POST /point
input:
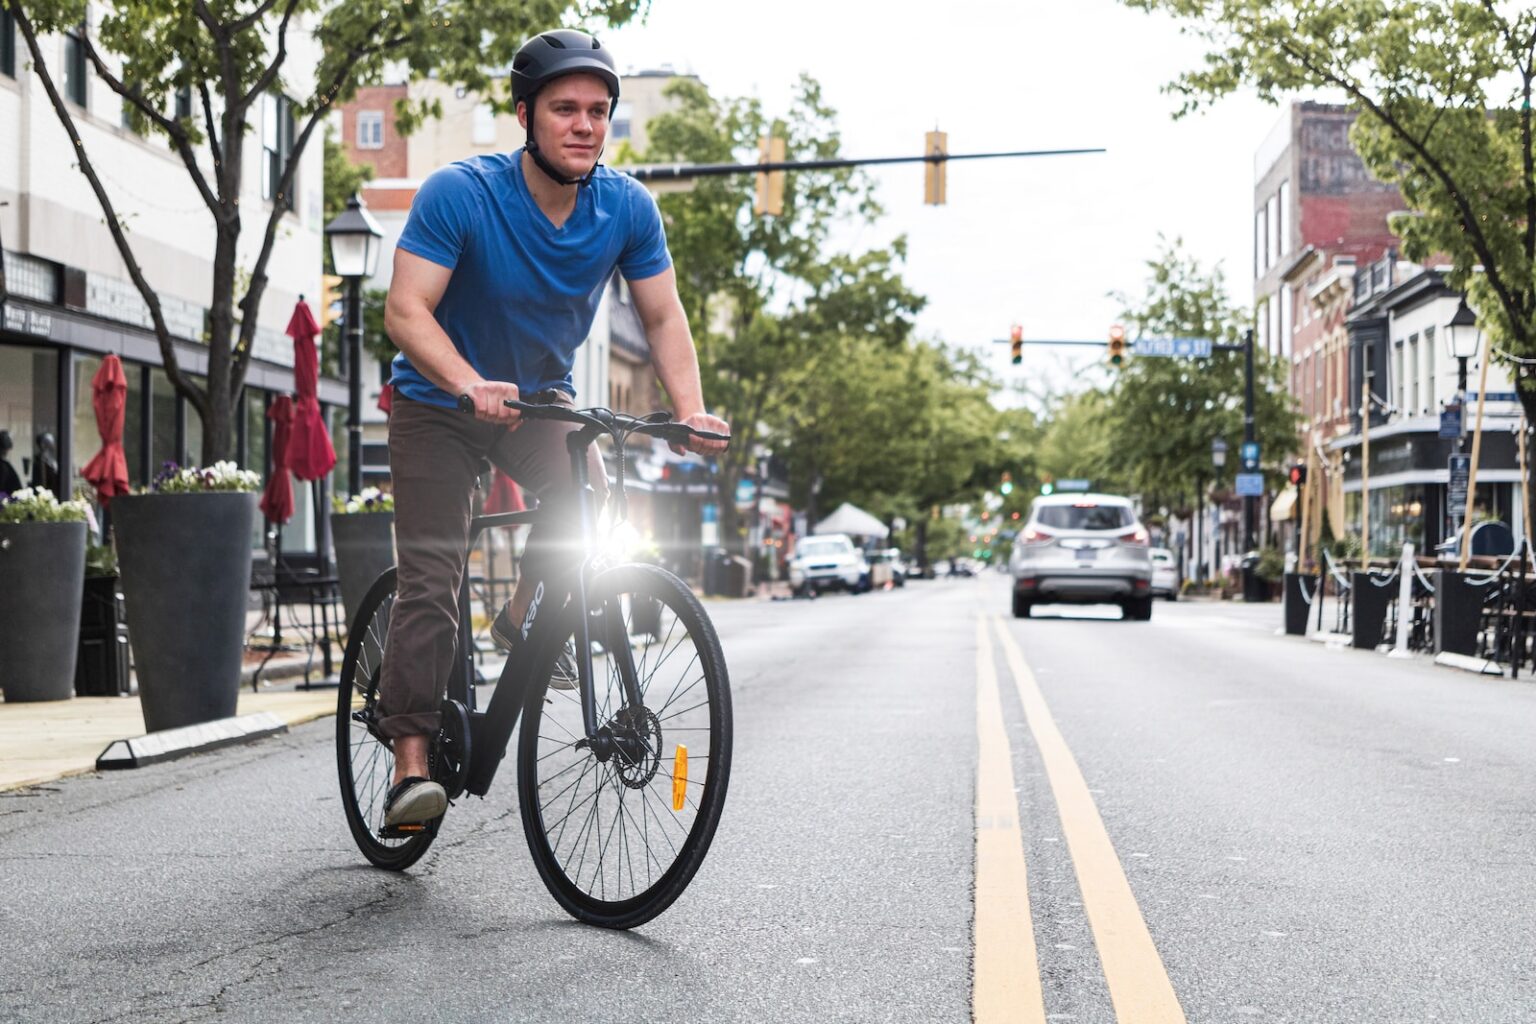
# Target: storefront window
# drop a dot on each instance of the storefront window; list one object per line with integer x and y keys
{"x": 28, "y": 406}
{"x": 162, "y": 422}
{"x": 133, "y": 425}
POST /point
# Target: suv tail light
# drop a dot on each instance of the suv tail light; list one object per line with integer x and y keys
{"x": 1138, "y": 536}
{"x": 1035, "y": 536}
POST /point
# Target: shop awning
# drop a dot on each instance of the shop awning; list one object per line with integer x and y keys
{"x": 1283, "y": 505}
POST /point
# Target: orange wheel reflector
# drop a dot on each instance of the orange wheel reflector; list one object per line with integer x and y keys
{"x": 679, "y": 777}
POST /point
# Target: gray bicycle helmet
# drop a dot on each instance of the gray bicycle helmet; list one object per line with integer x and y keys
{"x": 551, "y": 55}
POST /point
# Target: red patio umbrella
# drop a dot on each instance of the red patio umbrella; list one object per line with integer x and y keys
{"x": 277, "y": 496}
{"x": 108, "y": 470}
{"x": 504, "y": 495}
{"x": 310, "y": 455}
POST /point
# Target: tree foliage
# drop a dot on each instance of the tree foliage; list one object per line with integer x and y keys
{"x": 1443, "y": 90}
{"x": 227, "y": 55}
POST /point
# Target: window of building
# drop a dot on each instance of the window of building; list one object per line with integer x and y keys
{"x": 623, "y": 118}
{"x": 1284, "y": 341}
{"x": 7, "y": 44}
{"x": 1259, "y": 265}
{"x": 483, "y": 132}
{"x": 1272, "y": 225}
{"x": 1262, "y": 320}
{"x": 276, "y": 146}
{"x": 1399, "y": 378}
{"x": 1411, "y": 357}
{"x": 1284, "y": 204}
{"x": 370, "y": 129}
{"x": 1430, "y": 400}
{"x": 74, "y": 69}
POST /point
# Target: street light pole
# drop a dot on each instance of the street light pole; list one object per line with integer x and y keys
{"x": 354, "y": 385}
{"x": 1250, "y": 541}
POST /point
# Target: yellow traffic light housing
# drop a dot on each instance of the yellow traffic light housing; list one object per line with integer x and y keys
{"x": 770, "y": 184}
{"x": 1016, "y": 343}
{"x": 935, "y": 144}
{"x": 1117, "y": 346}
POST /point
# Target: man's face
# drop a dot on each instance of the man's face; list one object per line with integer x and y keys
{"x": 570, "y": 122}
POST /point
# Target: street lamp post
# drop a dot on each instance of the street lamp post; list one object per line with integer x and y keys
{"x": 1463, "y": 337}
{"x": 354, "y": 238}
{"x": 1218, "y": 460}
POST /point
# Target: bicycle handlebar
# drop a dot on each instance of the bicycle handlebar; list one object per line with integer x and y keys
{"x": 609, "y": 422}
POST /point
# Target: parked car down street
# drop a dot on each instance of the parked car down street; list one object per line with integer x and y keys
{"x": 1165, "y": 574}
{"x": 827, "y": 562}
{"x": 1082, "y": 549}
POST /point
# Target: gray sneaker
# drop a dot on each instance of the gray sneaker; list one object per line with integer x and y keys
{"x": 414, "y": 801}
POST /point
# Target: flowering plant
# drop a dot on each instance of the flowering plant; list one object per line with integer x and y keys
{"x": 221, "y": 476}
{"x": 38, "y": 505}
{"x": 370, "y": 499}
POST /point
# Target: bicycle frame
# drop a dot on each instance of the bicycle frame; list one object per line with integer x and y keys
{"x": 491, "y": 731}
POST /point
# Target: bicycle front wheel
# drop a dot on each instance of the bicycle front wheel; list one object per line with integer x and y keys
{"x": 618, "y": 828}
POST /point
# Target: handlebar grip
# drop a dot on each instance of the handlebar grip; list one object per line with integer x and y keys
{"x": 466, "y": 404}
{"x": 709, "y": 435}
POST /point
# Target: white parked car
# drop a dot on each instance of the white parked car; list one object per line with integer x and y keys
{"x": 1165, "y": 574}
{"x": 828, "y": 562}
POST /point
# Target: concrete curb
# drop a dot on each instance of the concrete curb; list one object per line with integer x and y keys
{"x": 169, "y": 744}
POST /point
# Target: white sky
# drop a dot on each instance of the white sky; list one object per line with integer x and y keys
{"x": 1039, "y": 241}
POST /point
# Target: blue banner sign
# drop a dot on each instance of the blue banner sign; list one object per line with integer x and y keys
{"x": 1250, "y": 485}
{"x": 1450, "y": 421}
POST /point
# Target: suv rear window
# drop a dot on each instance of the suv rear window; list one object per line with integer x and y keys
{"x": 824, "y": 547}
{"x": 1086, "y": 517}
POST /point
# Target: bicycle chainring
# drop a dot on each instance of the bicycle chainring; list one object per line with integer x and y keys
{"x": 451, "y": 749}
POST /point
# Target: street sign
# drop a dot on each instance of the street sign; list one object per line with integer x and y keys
{"x": 1496, "y": 396}
{"x": 1456, "y": 492}
{"x": 1450, "y": 421}
{"x": 1250, "y": 485}
{"x": 1073, "y": 485}
{"x": 746, "y": 492}
{"x": 1249, "y": 453}
{"x": 1175, "y": 348}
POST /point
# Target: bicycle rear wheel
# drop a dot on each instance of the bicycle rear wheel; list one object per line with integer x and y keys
{"x": 618, "y": 834}
{"x": 365, "y": 760}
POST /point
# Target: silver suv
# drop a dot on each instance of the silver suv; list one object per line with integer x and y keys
{"x": 1082, "y": 549}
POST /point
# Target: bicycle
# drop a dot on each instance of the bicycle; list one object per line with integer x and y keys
{"x": 649, "y": 673}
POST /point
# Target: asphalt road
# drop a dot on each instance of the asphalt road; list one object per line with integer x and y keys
{"x": 1307, "y": 834}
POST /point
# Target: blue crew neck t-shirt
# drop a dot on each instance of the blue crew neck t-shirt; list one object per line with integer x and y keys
{"x": 523, "y": 292}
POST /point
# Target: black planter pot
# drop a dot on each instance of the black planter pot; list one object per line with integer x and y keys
{"x": 41, "y": 566}
{"x": 365, "y": 547}
{"x": 185, "y": 562}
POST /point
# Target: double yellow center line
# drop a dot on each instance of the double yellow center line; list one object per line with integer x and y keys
{"x": 1006, "y": 985}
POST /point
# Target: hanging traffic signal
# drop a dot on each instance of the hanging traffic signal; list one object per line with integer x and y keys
{"x": 1016, "y": 343}
{"x": 1117, "y": 346}
{"x": 330, "y": 299}
{"x": 770, "y": 184}
{"x": 1006, "y": 487}
{"x": 934, "y": 144}
{"x": 1298, "y": 474}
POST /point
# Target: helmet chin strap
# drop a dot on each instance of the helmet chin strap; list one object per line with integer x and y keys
{"x": 549, "y": 169}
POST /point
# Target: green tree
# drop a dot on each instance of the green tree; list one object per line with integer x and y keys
{"x": 1443, "y": 90}
{"x": 1162, "y": 414}
{"x": 227, "y": 55}
{"x": 761, "y": 293}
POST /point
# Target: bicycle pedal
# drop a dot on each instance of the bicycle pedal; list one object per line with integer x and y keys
{"x": 404, "y": 831}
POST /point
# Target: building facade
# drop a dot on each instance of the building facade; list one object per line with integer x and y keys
{"x": 69, "y": 297}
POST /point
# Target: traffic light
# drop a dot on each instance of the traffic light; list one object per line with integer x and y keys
{"x": 770, "y": 184}
{"x": 1016, "y": 343}
{"x": 1117, "y": 346}
{"x": 935, "y": 144}
{"x": 1298, "y": 474}
{"x": 1006, "y": 487}
{"x": 330, "y": 299}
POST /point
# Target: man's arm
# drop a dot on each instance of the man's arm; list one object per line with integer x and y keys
{"x": 414, "y": 291}
{"x": 677, "y": 364}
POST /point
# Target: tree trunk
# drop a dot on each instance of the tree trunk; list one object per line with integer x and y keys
{"x": 922, "y": 543}
{"x": 218, "y": 423}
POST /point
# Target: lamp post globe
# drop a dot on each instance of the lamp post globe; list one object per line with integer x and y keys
{"x": 1462, "y": 338}
{"x": 356, "y": 240}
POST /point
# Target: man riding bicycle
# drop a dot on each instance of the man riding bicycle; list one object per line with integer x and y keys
{"x": 497, "y": 279}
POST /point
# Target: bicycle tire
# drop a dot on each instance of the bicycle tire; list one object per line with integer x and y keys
{"x": 651, "y": 593}
{"x": 364, "y": 761}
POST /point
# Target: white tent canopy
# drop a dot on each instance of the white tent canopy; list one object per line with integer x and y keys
{"x": 852, "y": 520}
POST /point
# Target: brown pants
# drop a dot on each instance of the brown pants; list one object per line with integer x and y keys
{"x": 434, "y": 457}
